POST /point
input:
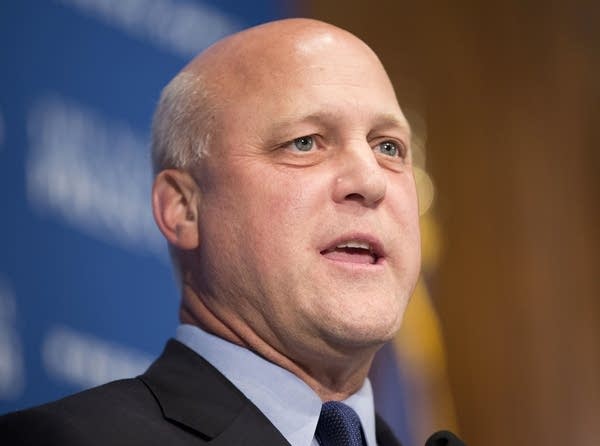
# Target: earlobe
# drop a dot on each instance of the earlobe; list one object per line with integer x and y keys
{"x": 175, "y": 197}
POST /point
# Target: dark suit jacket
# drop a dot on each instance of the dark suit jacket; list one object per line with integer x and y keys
{"x": 180, "y": 400}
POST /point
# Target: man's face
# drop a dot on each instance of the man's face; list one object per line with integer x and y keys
{"x": 308, "y": 216}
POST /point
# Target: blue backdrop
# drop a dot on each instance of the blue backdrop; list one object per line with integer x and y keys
{"x": 86, "y": 290}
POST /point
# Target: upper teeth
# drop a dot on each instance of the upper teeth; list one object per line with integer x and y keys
{"x": 354, "y": 244}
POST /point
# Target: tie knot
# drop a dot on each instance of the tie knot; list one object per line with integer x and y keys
{"x": 339, "y": 425}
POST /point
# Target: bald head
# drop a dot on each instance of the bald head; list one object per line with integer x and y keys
{"x": 264, "y": 59}
{"x": 271, "y": 51}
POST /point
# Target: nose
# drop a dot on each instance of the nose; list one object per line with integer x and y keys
{"x": 360, "y": 178}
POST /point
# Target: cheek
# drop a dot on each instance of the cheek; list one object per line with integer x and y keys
{"x": 404, "y": 208}
{"x": 283, "y": 201}
{"x": 402, "y": 197}
{"x": 274, "y": 213}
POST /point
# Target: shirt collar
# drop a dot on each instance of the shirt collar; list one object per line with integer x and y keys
{"x": 287, "y": 401}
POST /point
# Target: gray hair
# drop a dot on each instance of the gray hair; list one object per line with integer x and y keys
{"x": 182, "y": 125}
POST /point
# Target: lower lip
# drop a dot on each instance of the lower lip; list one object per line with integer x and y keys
{"x": 354, "y": 261}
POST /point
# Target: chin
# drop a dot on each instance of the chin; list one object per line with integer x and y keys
{"x": 365, "y": 332}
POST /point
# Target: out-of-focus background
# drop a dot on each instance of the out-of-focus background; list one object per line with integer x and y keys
{"x": 502, "y": 339}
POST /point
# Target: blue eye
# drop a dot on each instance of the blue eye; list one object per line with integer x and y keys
{"x": 304, "y": 143}
{"x": 389, "y": 148}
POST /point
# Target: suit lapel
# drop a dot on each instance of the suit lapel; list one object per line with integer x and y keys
{"x": 190, "y": 391}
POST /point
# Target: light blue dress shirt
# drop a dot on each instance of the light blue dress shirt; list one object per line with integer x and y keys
{"x": 287, "y": 401}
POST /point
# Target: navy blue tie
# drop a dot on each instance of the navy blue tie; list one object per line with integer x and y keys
{"x": 339, "y": 425}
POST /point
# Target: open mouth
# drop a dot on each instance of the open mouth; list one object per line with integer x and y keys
{"x": 353, "y": 251}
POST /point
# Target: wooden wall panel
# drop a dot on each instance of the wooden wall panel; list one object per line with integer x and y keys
{"x": 511, "y": 95}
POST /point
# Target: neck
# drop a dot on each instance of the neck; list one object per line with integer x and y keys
{"x": 332, "y": 373}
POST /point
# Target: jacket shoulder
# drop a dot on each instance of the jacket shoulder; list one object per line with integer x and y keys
{"x": 103, "y": 412}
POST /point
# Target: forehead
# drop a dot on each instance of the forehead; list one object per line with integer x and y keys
{"x": 321, "y": 77}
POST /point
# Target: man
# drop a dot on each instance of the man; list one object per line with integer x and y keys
{"x": 284, "y": 187}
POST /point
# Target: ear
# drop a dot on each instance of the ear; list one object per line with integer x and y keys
{"x": 175, "y": 199}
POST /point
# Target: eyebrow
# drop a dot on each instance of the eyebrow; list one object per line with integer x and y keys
{"x": 380, "y": 121}
{"x": 389, "y": 120}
